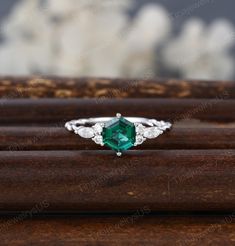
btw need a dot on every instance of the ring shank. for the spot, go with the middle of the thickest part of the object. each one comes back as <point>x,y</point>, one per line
<point>140,120</point>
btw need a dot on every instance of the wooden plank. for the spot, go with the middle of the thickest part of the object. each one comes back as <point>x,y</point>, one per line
<point>135,229</point>
<point>57,111</point>
<point>54,87</point>
<point>85,181</point>
<point>20,138</point>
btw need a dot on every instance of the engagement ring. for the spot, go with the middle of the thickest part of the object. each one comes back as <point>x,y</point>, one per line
<point>118,133</point>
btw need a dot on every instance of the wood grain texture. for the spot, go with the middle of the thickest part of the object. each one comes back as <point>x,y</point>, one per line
<point>85,181</point>
<point>21,138</point>
<point>136,229</point>
<point>54,87</point>
<point>58,111</point>
<point>46,169</point>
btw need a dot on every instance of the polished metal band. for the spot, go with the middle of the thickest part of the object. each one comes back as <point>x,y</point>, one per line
<point>73,124</point>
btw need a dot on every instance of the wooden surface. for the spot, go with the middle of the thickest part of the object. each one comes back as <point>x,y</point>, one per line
<point>188,168</point>
<point>98,181</point>
<point>53,87</point>
<point>58,111</point>
<point>19,138</point>
<point>135,229</point>
<point>45,169</point>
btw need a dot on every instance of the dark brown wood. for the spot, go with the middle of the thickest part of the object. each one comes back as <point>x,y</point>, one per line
<point>39,87</point>
<point>135,229</point>
<point>46,169</point>
<point>85,181</point>
<point>58,138</point>
<point>57,111</point>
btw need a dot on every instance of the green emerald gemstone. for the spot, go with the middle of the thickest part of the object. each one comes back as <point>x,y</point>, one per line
<point>119,134</point>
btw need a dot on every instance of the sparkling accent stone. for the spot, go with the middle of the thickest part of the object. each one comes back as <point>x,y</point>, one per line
<point>119,134</point>
<point>139,140</point>
<point>140,129</point>
<point>98,128</point>
<point>85,132</point>
<point>98,140</point>
<point>152,132</point>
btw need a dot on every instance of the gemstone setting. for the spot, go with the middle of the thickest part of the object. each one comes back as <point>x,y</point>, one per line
<point>152,132</point>
<point>85,132</point>
<point>119,134</point>
<point>98,139</point>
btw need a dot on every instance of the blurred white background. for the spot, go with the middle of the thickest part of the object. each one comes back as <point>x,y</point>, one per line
<point>118,38</point>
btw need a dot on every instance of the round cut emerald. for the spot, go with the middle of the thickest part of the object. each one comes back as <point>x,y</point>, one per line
<point>119,134</point>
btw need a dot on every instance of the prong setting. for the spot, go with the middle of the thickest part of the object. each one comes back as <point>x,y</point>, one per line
<point>119,154</point>
<point>118,115</point>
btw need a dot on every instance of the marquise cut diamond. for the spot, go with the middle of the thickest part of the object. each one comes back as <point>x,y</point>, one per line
<point>152,132</point>
<point>86,132</point>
